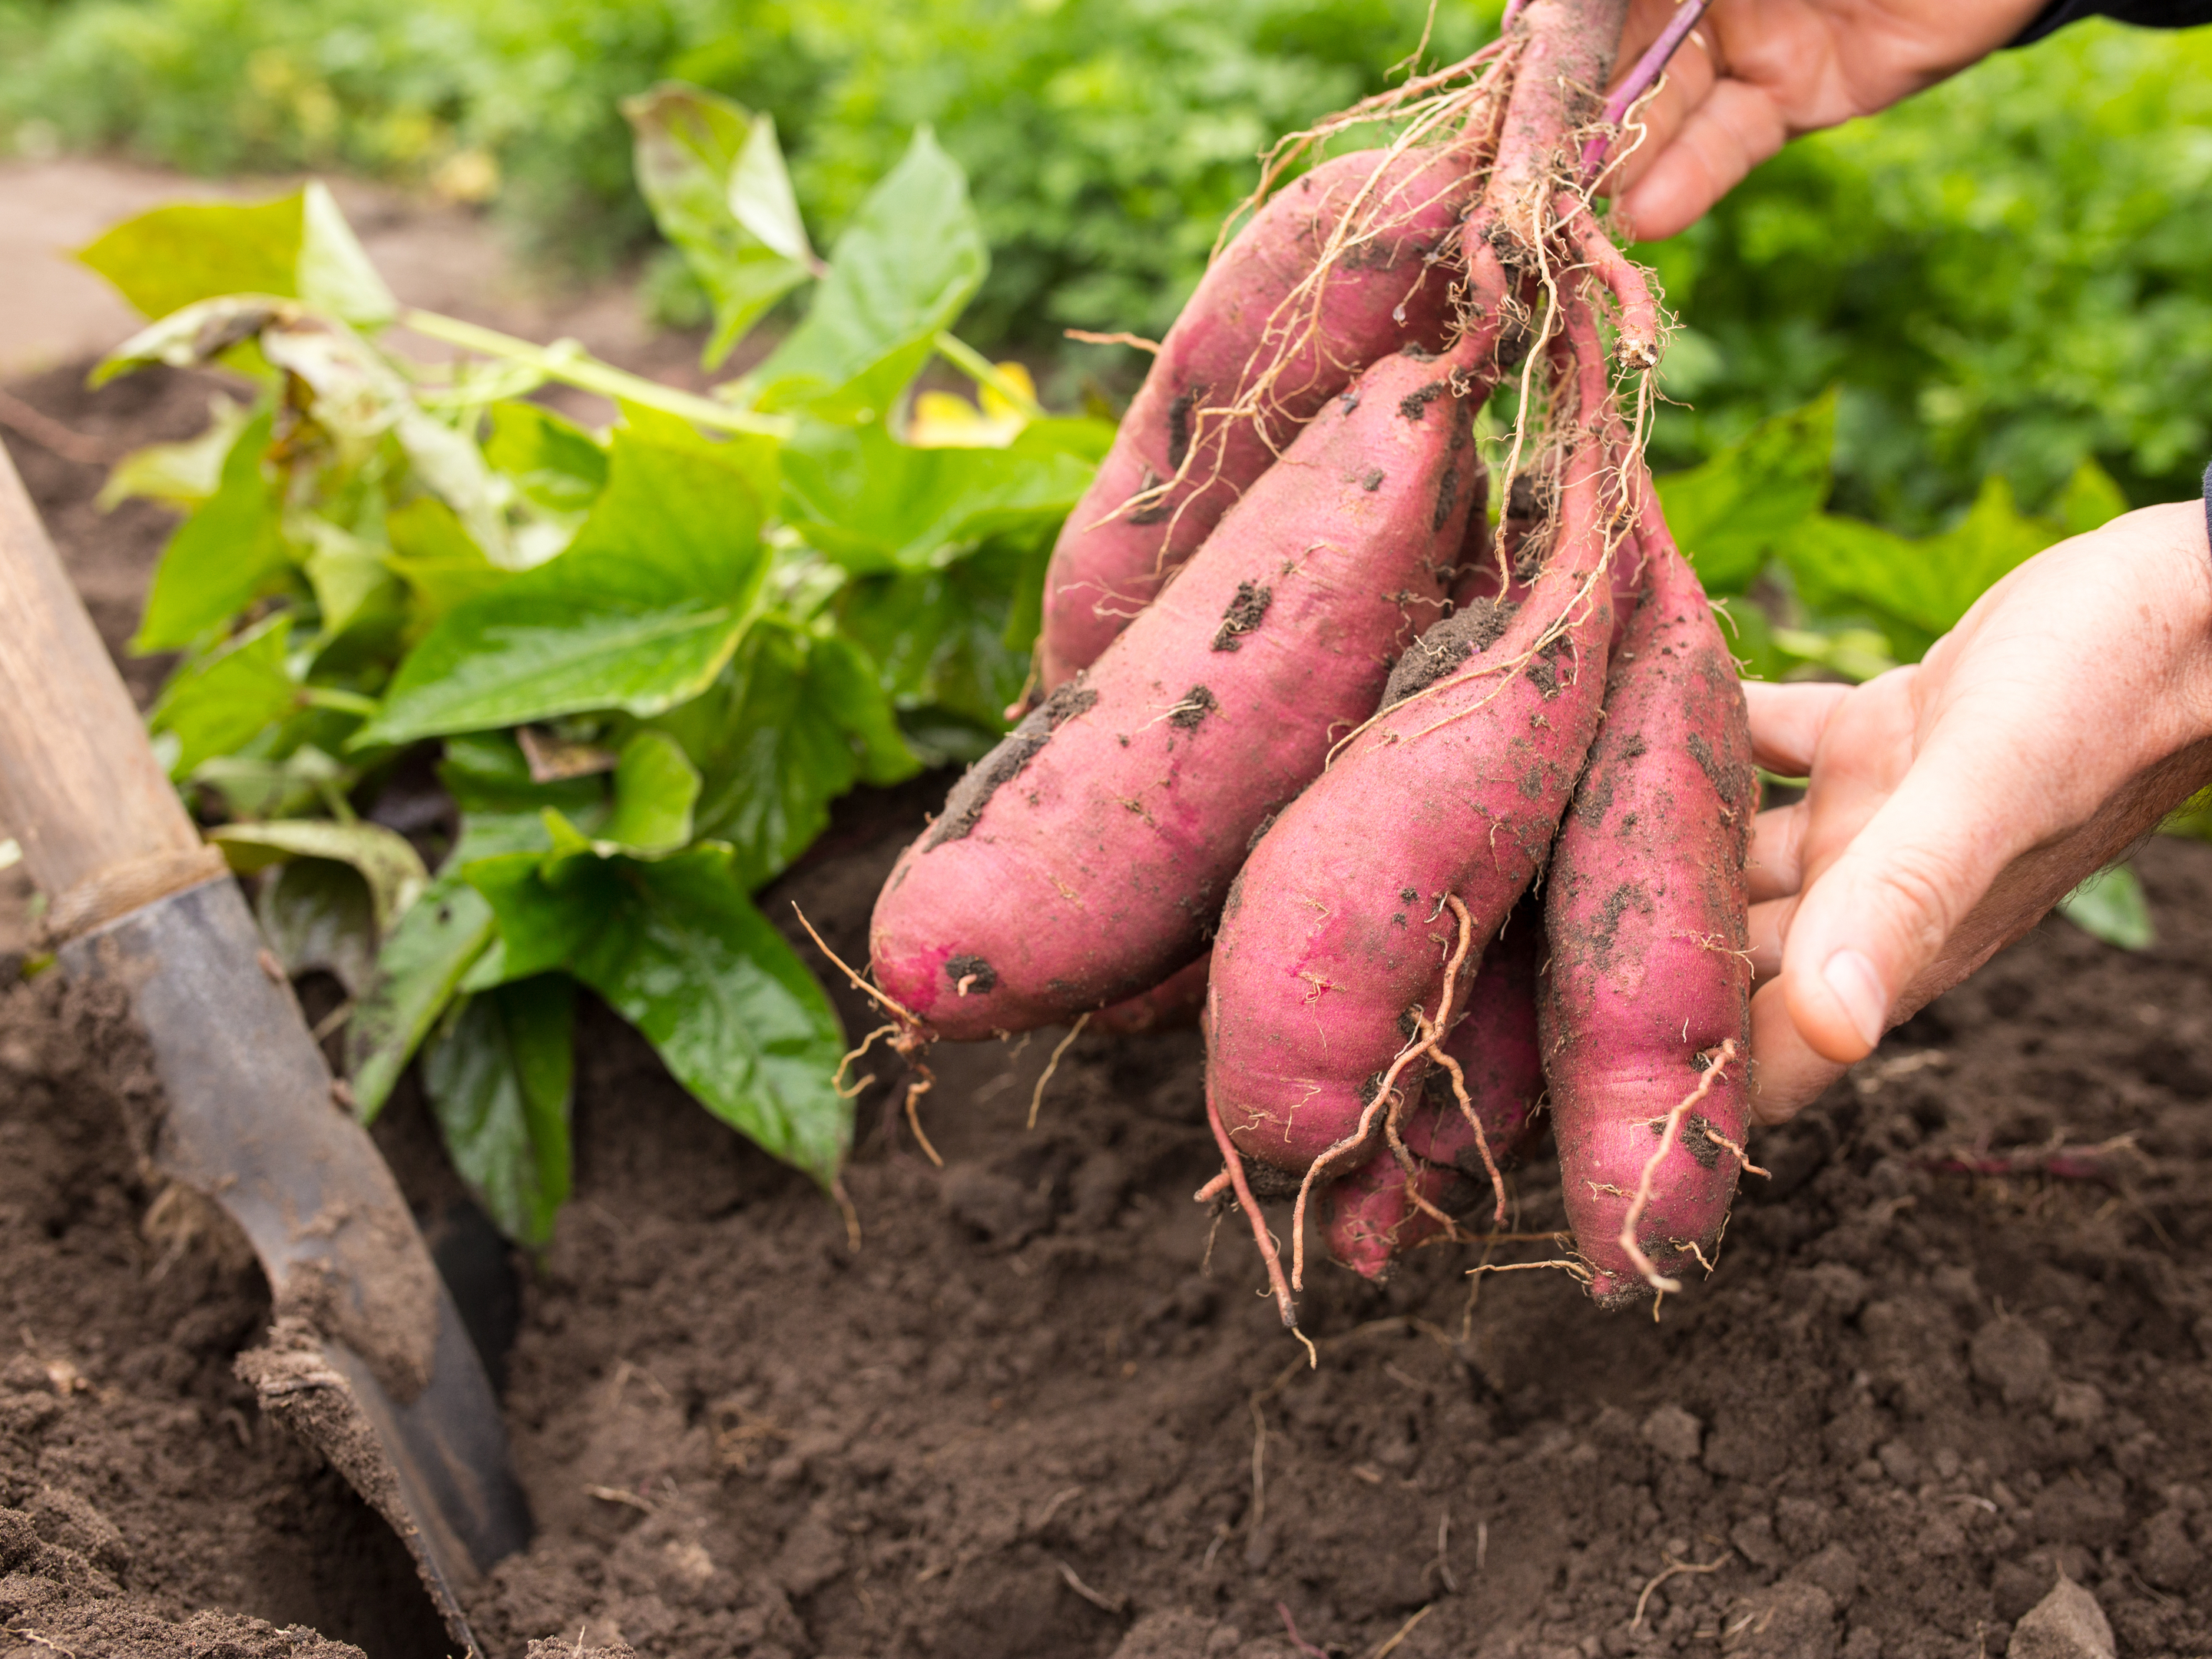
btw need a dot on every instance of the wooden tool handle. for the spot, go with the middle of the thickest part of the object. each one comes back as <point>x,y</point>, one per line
<point>80,789</point>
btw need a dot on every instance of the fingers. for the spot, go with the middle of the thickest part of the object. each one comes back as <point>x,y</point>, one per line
<point>1769,926</point>
<point>1688,83</point>
<point>1787,721</point>
<point>1776,868</point>
<point>1786,1076</point>
<point>1734,129</point>
<point>1884,909</point>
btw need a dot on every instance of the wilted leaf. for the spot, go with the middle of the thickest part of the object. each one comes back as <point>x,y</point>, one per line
<point>499,1084</point>
<point>391,868</point>
<point>904,269</point>
<point>316,914</point>
<point>676,947</point>
<point>638,614</point>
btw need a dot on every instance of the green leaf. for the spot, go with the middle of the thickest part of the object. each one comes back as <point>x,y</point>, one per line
<point>1916,590</point>
<point>217,703</point>
<point>318,915</point>
<point>443,934</point>
<point>166,259</point>
<point>227,555</point>
<point>1729,514</point>
<point>352,580</point>
<point>296,247</point>
<point>334,272</point>
<point>874,504</point>
<point>714,176</point>
<point>655,788</point>
<point>2111,906</point>
<point>903,269</point>
<point>433,555</point>
<point>791,724</point>
<point>954,639</point>
<point>180,475</point>
<point>676,947</point>
<point>761,198</point>
<point>389,865</point>
<point>638,614</point>
<point>499,1084</point>
<point>2090,500</point>
<point>557,465</point>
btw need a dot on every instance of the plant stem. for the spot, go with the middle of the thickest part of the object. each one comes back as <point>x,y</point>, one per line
<point>344,702</point>
<point>1648,69</point>
<point>571,365</point>
<point>981,369</point>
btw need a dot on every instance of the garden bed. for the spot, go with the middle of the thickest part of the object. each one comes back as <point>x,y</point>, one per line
<point>1031,1415</point>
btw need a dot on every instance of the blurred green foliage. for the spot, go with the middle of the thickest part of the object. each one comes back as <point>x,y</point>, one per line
<point>2006,277</point>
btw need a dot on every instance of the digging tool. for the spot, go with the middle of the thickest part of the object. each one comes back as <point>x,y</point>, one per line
<point>367,1358</point>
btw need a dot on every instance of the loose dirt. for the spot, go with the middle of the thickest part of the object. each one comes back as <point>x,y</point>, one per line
<point>1955,1347</point>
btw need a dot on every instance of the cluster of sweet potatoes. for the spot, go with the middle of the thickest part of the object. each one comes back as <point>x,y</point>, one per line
<point>1445,822</point>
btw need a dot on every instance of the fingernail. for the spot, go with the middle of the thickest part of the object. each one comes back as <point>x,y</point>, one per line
<point>1857,987</point>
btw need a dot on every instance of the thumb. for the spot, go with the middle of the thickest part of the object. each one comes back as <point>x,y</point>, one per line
<point>1872,920</point>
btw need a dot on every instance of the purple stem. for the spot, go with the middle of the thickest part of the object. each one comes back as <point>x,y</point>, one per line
<point>1512,11</point>
<point>1648,69</point>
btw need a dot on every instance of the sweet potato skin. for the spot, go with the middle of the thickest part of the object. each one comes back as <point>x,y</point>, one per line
<point>1110,560</point>
<point>1084,859</point>
<point>1173,1005</point>
<point>1337,928</point>
<point>1645,998</point>
<point>1370,1218</point>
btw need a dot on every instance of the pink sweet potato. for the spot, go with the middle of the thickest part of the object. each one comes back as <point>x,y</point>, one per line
<point>1336,935</point>
<point>1644,1003</point>
<point>1173,1005</point>
<point>1200,430</point>
<point>1379,1212</point>
<point>1083,860</point>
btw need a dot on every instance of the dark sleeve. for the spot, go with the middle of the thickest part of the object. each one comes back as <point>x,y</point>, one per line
<point>2146,13</point>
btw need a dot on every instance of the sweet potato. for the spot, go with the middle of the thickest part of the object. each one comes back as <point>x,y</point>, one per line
<point>1644,1003</point>
<point>1083,860</point>
<point>1336,931</point>
<point>1173,1005</point>
<point>1259,349</point>
<point>1382,1211</point>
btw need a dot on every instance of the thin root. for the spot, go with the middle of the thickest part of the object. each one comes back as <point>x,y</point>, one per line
<point>1427,1045</point>
<point>1051,1066</point>
<point>1673,1133</point>
<point>922,1083</point>
<point>1674,1569</point>
<point>1284,1302</point>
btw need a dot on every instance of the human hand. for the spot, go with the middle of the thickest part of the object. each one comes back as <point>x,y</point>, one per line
<point>1951,803</point>
<point>1755,73</point>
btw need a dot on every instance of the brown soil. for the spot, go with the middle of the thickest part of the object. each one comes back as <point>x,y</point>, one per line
<point>1029,1418</point>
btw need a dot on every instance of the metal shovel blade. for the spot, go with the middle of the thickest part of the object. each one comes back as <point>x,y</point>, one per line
<point>368,1359</point>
